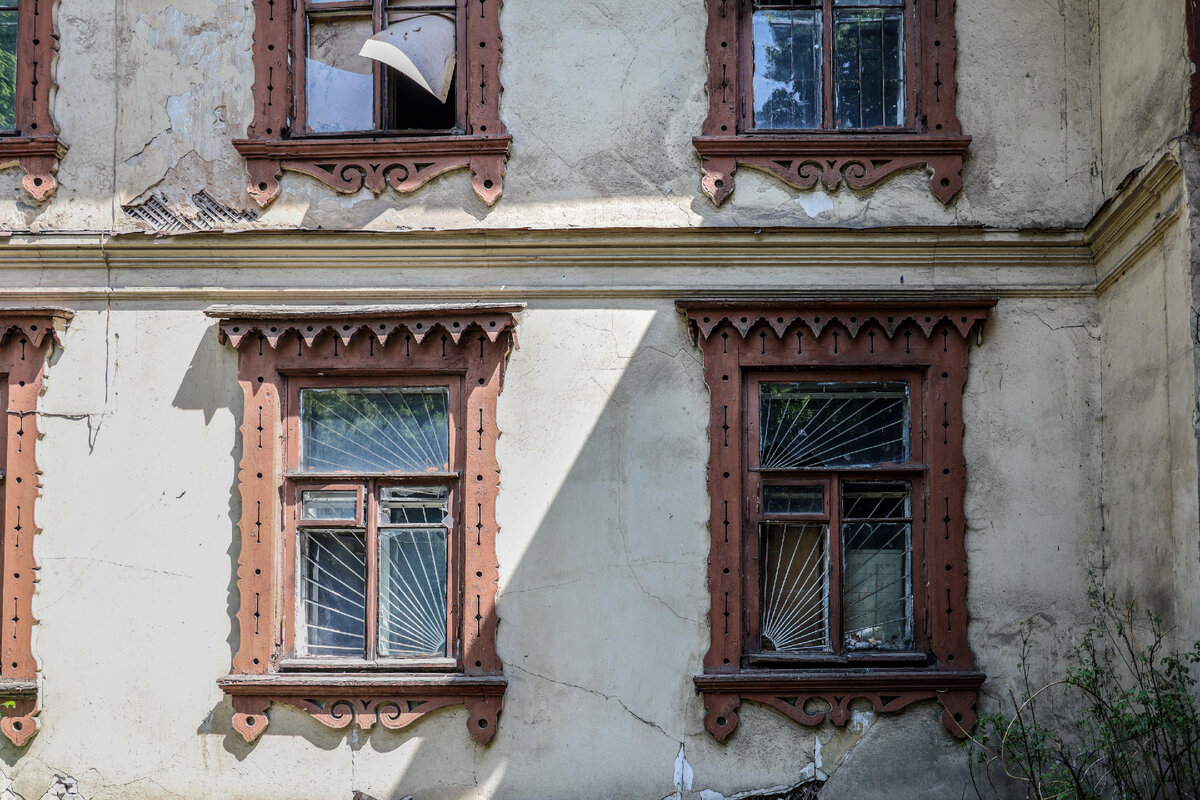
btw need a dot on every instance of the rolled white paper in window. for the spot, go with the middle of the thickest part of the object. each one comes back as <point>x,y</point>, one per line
<point>421,47</point>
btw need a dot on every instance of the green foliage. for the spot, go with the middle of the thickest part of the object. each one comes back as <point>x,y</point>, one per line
<point>1136,732</point>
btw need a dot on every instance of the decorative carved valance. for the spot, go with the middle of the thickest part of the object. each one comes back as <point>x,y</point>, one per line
<point>27,337</point>
<point>277,346</point>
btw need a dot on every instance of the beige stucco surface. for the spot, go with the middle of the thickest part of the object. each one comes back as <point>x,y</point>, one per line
<point>602,106</point>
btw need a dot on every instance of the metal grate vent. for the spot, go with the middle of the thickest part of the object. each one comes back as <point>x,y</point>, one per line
<point>207,214</point>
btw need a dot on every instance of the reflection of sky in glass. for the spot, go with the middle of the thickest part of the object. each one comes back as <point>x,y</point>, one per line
<point>339,100</point>
<point>787,68</point>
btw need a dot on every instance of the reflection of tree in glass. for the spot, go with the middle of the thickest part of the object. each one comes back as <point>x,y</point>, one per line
<point>791,59</point>
<point>8,70</point>
<point>375,430</point>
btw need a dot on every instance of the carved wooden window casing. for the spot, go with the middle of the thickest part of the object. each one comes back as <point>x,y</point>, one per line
<point>837,568</point>
<point>28,138</point>
<point>349,121</point>
<point>368,480</point>
<point>826,91</point>
<point>27,337</point>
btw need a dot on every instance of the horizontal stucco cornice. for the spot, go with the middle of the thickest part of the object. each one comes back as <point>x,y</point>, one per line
<point>507,265</point>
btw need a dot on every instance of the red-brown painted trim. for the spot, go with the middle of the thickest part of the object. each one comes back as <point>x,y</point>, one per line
<point>1193,46</point>
<point>27,338</point>
<point>471,342</point>
<point>347,164</point>
<point>34,146</point>
<point>928,337</point>
<point>861,160</point>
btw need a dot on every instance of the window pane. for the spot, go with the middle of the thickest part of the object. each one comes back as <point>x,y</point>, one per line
<point>322,504</point>
<point>877,581</point>
<point>375,430</point>
<point>833,424</point>
<point>868,62</point>
<point>787,68</point>
<point>340,85</point>
<point>413,505</point>
<point>795,595</point>
<point>429,41</point>
<point>8,68</point>
<point>412,592</point>
<point>793,500</point>
<point>333,590</point>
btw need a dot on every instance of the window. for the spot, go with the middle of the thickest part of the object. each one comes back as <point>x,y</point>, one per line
<point>831,91</point>
<point>837,568</point>
<point>27,135</point>
<point>27,338</point>
<point>376,93</point>
<point>368,479</point>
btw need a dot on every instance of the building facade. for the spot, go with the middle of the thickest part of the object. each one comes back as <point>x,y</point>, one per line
<point>675,400</point>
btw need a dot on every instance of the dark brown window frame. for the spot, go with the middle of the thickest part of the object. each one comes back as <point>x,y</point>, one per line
<point>377,160</point>
<point>925,337</point>
<point>27,338</point>
<point>861,159</point>
<point>34,145</point>
<point>277,353</point>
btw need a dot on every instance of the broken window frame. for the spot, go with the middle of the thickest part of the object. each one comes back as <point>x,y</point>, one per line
<point>924,341</point>
<point>381,79</point>
<point>369,487</point>
<point>828,156</point>
<point>276,140</point>
<point>281,352</point>
<point>33,144</point>
<point>831,479</point>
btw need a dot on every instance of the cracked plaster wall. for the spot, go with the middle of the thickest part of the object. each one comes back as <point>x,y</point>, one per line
<point>151,93</point>
<point>603,560</point>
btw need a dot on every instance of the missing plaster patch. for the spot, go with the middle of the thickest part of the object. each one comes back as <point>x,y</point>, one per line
<point>807,789</point>
<point>204,214</point>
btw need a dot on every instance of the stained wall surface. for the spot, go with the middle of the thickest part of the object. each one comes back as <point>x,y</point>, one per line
<point>602,106</point>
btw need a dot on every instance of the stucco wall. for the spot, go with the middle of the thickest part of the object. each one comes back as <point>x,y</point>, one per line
<point>603,559</point>
<point>1143,72</point>
<point>602,104</point>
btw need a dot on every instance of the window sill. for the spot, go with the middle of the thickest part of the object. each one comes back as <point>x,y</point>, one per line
<point>39,157</point>
<point>792,691</point>
<point>347,164</point>
<point>859,159</point>
<point>337,700</point>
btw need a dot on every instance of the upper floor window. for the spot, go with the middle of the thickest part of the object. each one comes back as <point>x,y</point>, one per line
<point>831,91</point>
<point>386,65</point>
<point>376,93</point>
<point>27,135</point>
<point>827,64</point>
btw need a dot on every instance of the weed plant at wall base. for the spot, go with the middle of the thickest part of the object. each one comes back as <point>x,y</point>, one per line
<point>1134,732</point>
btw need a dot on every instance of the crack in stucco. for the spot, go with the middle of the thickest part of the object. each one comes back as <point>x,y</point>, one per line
<point>607,697</point>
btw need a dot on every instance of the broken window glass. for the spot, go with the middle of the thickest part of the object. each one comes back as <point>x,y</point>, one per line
<point>416,43</point>
<point>833,424</point>
<point>877,589</point>
<point>369,430</point>
<point>787,64</point>
<point>333,591</point>
<point>8,65</point>
<point>413,505</point>
<point>412,592</point>
<point>337,504</point>
<point>795,594</point>
<point>868,55</point>
<point>339,82</point>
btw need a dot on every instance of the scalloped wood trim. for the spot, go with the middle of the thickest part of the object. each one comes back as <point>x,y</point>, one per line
<point>923,335</point>
<point>27,337</point>
<point>471,341</point>
<point>350,163</point>
<point>794,695</point>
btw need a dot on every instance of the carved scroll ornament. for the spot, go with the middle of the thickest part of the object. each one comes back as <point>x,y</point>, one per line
<point>27,337</point>
<point>471,341</point>
<point>929,337</point>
